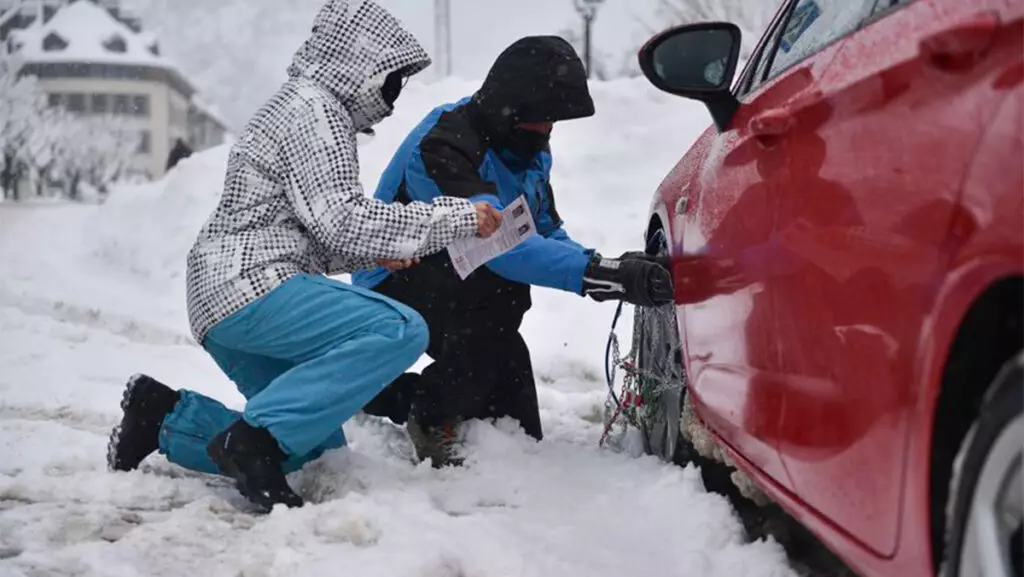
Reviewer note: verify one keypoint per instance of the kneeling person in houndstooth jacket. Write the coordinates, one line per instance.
(306, 351)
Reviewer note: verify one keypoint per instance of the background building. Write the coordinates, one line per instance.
(91, 57)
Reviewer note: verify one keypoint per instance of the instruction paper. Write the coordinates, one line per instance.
(517, 225)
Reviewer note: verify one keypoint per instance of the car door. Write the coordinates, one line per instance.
(866, 172)
(725, 210)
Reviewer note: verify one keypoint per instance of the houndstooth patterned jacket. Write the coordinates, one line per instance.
(292, 201)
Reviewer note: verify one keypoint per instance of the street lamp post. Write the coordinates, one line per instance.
(443, 36)
(587, 9)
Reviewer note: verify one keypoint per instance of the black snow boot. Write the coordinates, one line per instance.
(146, 403)
(253, 459)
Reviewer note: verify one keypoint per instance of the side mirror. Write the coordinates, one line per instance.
(696, 61)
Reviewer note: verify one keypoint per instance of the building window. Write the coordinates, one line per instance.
(116, 44)
(121, 104)
(154, 49)
(54, 43)
(101, 103)
(54, 99)
(179, 115)
(98, 70)
(104, 71)
(76, 102)
(140, 105)
(145, 142)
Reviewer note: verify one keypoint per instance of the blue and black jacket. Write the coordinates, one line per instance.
(471, 149)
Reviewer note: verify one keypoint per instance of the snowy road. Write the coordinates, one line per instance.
(91, 295)
(557, 508)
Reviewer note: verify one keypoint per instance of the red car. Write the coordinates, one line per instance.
(847, 243)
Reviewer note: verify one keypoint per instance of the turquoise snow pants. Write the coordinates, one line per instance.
(307, 357)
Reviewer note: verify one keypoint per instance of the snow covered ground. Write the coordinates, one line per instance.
(92, 294)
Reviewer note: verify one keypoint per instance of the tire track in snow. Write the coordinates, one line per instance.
(116, 324)
(70, 417)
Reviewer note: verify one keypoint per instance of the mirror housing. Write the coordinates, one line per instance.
(696, 61)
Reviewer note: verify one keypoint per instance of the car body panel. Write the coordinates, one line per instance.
(866, 242)
(731, 349)
(864, 234)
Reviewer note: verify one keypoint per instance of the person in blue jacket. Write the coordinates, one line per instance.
(493, 146)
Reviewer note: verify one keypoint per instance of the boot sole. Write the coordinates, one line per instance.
(115, 434)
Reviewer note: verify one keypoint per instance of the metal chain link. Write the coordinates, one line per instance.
(640, 388)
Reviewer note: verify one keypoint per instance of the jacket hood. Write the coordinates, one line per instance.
(353, 47)
(536, 79)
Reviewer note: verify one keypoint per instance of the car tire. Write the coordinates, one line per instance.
(986, 510)
(662, 379)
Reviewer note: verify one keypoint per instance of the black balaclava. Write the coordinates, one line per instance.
(526, 143)
(390, 90)
(536, 79)
(393, 87)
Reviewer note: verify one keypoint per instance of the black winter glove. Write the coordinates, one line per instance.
(634, 280)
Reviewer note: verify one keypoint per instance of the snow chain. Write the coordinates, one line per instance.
(626, 409)
(612, 361)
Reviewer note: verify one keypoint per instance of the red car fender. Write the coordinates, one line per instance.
(985, 240)
(987, 246)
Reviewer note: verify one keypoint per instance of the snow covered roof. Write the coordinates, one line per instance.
(85, 32)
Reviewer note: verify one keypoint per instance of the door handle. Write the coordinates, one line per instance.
(962, 45)
(767, 126)
(774, 122)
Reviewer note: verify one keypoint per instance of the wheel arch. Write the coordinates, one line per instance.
(654, 226)
(989, 332)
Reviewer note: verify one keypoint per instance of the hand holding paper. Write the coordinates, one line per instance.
(517, 225)
(488, 219)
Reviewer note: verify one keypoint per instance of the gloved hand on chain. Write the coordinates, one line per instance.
(638, 280)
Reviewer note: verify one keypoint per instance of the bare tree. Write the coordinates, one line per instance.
(21, 103)
(52, 145)
(48, 146)
(108, 150)
(95, 150)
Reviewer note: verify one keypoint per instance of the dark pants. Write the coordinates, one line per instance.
(481, 367)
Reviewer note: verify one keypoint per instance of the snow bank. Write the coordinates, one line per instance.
(92, 294)
(145, 231)
(94, 261)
